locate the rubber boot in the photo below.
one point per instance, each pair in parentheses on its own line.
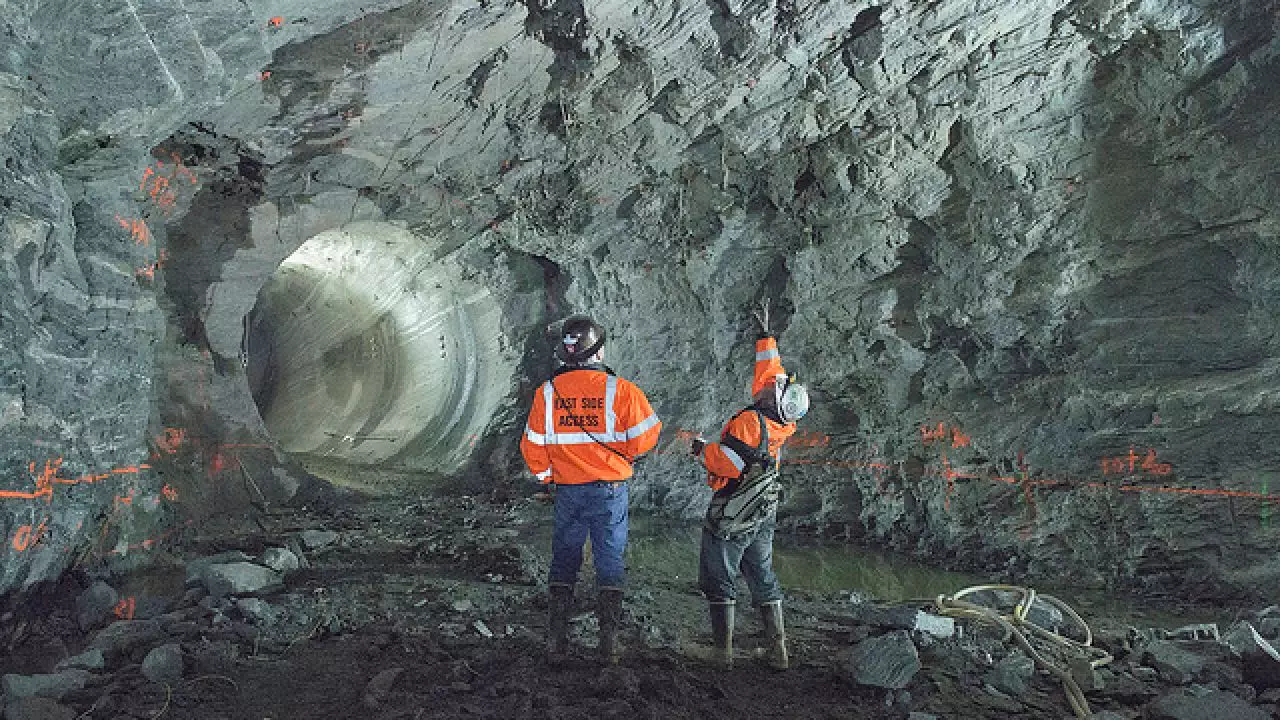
(609,614)
(721,633)
(559,606)
(775,635)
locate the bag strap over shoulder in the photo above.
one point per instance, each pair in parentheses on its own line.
(753,455)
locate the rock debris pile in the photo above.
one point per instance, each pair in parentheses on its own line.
(435,609)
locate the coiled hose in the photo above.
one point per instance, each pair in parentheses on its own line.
(1018,627)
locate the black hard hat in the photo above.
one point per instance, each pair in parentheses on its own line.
(581,337)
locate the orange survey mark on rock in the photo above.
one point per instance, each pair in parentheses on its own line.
(137,228)
(276,22)
(944,433)
(158,182)
(125,609)
(1133,464)
(28,536)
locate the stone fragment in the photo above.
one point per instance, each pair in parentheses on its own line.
(163,664)
(37,708)
(890,618)
(240,578)
(316,539)
(124,635)
(197,568)
(95,604)
(1176,665)
(376,691)
(52,686)
(256,611)
(1260,661)
(887,661)
(92,659)
(280,559)
(935,625)
(1215,705)
(1012,674)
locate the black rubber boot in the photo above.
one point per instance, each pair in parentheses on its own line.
(559,605)
(609,614)
(775,635)
(721,612)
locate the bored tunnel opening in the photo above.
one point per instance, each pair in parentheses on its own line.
(370,358)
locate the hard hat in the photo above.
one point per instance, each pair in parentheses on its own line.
(791,398)
(581,338)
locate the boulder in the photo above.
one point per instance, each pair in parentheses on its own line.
(52,686)
(37,708)
(887,661)
(163,664)
(1012,675)
(1260,661)
(1175,664)
(1215,705)
(282,560)
(316,539)
(94,605)
(196,568)
(240,578)
(256,611)
(91,659)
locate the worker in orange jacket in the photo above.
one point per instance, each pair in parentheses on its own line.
(742,470)
(586,428)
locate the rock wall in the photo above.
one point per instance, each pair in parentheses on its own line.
(1025,255)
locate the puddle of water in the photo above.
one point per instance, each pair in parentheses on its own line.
(657,546)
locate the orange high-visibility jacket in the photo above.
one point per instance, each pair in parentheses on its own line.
(725,464)
(587,425)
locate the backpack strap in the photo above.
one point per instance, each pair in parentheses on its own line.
(752,455)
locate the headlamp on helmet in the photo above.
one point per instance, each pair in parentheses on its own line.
(580,339)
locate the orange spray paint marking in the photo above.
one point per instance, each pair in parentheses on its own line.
(157,182)
(944,433)
(1129,464)
(169,492)
(137,230)
(171,440)
(264,75)
(276,22)
(149,270)
(805,439)
(125,609)
(28,536)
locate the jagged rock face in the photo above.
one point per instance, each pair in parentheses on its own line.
(1025,255)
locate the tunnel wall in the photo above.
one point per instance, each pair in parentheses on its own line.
(1024,254)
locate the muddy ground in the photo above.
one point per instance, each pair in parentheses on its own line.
(435,608)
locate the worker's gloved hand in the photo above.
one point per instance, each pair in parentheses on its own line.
(696,446)
(761,314)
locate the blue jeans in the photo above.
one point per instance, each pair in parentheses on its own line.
(598,509)
(751,552)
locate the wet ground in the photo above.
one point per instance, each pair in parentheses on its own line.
(435,608)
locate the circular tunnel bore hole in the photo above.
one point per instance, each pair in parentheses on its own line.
(372,361)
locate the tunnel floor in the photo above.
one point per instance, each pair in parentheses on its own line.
(433,608)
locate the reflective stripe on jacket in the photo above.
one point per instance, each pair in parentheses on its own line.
(587,425)
(768,364)
(723,463)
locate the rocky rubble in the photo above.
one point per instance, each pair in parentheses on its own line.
(437,610)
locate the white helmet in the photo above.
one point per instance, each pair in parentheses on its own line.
(789,399)
(793,400)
